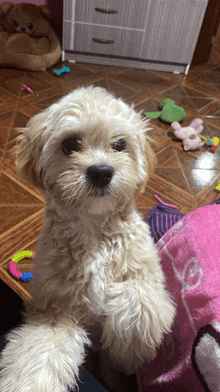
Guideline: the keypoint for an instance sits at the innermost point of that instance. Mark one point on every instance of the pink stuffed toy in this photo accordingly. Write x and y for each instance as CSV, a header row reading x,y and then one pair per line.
x,y
189,135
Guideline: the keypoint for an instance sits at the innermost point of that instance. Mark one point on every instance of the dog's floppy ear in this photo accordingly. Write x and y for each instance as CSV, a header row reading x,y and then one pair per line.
x,y
30,145
151,162
27,155
150,158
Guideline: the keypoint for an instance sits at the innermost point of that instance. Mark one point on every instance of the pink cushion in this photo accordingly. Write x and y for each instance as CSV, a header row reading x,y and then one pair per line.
x,y
190,255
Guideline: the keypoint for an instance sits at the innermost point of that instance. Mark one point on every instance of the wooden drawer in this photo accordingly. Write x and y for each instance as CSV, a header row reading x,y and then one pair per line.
x,y
102,40
123,13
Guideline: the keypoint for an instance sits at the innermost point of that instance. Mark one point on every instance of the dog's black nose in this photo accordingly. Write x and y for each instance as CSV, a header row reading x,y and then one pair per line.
x,y
100,175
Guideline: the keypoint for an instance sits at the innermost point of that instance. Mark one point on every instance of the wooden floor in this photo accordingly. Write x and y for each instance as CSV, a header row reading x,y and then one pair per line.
x,y
187,179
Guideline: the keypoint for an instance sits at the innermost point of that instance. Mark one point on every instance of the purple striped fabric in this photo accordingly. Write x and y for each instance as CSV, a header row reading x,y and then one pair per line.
x,y
161,218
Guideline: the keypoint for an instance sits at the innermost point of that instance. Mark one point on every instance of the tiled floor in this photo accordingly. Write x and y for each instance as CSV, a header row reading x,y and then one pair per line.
x,y
187,179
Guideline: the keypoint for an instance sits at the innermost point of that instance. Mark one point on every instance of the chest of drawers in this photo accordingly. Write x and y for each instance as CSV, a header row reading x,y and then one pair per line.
x,y
148,34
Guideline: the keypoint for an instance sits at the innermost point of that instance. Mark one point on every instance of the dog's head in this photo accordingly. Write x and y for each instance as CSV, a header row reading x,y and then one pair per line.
x,y
87,151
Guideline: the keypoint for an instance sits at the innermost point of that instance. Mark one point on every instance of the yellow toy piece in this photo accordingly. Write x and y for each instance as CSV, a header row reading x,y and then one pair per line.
x,y
217,188
215,141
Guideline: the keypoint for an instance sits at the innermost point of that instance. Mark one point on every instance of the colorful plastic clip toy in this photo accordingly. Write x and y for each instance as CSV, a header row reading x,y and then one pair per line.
x,y
13,267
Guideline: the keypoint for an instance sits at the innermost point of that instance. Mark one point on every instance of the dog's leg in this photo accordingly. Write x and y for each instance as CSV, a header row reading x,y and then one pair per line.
x,y
139,310
138,315
42,358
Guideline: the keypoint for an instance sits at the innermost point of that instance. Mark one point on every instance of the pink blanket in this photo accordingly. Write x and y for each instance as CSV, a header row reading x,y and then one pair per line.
x,y
190,254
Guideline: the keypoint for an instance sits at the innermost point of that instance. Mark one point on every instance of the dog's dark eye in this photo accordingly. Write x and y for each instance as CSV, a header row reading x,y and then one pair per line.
x,y
30,26
16,23
71,144
119,145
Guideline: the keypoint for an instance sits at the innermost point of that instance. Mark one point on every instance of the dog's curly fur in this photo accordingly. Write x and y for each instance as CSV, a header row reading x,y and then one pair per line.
x,y
95,259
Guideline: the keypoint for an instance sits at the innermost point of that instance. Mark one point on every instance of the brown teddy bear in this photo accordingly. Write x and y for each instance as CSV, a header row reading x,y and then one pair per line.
x,y
25,29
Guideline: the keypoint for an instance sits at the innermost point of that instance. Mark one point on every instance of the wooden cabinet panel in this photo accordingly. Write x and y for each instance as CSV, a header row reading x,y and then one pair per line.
x,y
103,40
143,32
172,29
123,13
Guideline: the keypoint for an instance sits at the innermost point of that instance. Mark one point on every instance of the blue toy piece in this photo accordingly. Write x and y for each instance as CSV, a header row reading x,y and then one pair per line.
x,y
12,265
209,141
59,72
26,277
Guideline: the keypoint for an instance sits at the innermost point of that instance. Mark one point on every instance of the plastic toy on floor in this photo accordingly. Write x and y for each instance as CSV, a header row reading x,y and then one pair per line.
x,y
168,112
217,188
189,135
24,87
214,142
59,72
15,273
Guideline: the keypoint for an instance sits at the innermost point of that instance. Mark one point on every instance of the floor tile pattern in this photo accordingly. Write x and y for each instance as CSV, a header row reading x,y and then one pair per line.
x,y
187,179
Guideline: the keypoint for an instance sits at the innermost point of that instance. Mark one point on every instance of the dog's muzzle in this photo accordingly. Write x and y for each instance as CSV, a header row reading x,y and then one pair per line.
x,y
100,175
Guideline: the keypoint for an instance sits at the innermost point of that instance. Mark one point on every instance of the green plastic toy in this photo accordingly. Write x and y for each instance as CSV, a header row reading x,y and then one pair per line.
x,y
168,112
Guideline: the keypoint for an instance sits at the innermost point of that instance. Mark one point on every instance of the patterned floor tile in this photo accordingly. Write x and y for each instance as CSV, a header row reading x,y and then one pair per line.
x,y
22,234
200,159
171,193
199,179
139,80
11,215
12,193
120,91
103,69
208,89
6,119
8,169
4,137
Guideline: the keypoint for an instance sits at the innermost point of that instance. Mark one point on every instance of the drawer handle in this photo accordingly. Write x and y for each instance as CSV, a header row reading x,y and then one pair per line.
x,y
102,41
106,11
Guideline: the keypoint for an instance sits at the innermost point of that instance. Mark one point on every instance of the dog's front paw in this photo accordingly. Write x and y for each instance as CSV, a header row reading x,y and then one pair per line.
x,y
42,358
136,322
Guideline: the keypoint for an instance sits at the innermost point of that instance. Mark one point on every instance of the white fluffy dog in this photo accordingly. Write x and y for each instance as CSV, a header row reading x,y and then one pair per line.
x,y
95,260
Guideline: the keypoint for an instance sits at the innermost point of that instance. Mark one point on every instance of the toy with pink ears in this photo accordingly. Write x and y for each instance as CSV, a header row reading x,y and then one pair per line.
x,y
191,135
